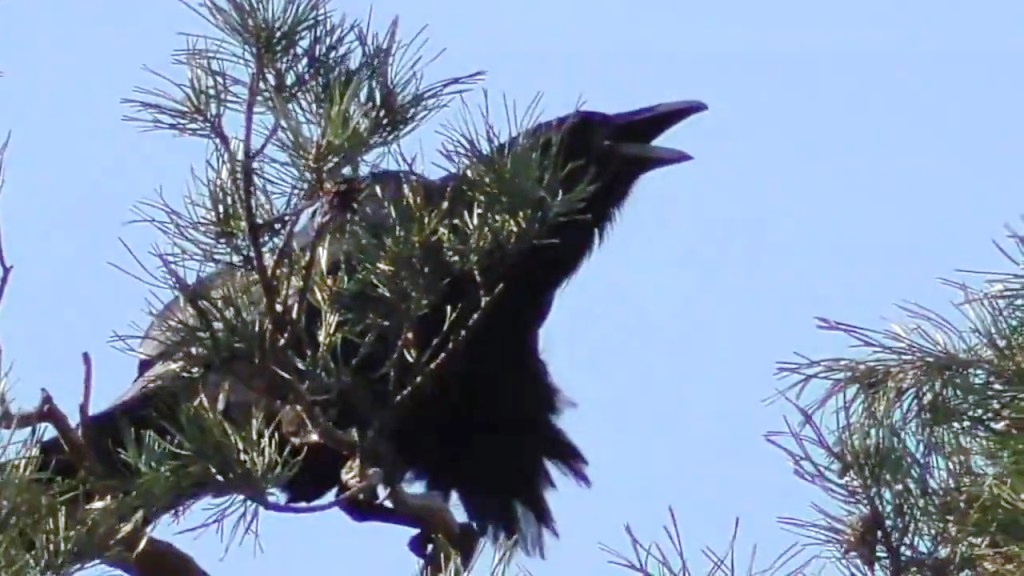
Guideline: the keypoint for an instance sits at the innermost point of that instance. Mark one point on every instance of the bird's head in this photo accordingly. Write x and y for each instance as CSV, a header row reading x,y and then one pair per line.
x,y
610,152
598,157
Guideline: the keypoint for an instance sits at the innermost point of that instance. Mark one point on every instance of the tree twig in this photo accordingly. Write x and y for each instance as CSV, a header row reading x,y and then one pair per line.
x,y
5,268
47,412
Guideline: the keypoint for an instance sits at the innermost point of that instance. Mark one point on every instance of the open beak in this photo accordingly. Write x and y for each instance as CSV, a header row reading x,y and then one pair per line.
x,y
635,131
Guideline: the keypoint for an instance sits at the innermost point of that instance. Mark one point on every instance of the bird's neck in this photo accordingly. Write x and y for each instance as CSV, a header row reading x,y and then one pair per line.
x,y
533,277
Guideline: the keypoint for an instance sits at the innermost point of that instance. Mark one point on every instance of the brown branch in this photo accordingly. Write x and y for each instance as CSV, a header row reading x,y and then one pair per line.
x,y
5,268
47,412
248,189
83,406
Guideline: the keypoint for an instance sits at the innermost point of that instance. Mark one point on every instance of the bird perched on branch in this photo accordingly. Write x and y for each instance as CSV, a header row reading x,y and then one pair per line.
x,y
485,426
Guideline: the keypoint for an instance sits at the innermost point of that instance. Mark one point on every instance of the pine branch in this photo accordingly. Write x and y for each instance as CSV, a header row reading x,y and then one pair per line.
x,y
914,438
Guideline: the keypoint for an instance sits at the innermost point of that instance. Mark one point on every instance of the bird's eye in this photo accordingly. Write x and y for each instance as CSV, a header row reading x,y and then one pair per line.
x,y
587,135
601,135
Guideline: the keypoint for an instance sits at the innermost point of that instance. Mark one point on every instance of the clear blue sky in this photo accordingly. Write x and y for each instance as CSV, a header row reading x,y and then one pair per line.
x,y
853,153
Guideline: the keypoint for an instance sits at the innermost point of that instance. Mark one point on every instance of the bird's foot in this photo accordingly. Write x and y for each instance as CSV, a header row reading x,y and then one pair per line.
x,y
427,512
425,546
361,482
439,531
438,526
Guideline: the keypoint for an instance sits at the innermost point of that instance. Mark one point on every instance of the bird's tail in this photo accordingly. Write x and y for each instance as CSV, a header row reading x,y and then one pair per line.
x,y
508,496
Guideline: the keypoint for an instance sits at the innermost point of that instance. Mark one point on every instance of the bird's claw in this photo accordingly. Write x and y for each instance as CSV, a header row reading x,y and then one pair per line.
x,y
383,492
419,545
467,540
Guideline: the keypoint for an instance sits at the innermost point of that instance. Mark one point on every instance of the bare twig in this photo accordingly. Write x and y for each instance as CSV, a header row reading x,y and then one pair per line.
x,y
47,412
5,268
83,407
248,188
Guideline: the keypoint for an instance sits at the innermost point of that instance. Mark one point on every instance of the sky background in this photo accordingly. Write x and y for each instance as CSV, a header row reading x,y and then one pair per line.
x,y
853,152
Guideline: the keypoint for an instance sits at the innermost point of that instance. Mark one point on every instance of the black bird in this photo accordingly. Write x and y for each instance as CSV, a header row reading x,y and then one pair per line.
x,y
485,428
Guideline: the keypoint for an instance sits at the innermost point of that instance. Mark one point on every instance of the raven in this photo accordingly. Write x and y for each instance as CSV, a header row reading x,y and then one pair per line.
x,y
484,427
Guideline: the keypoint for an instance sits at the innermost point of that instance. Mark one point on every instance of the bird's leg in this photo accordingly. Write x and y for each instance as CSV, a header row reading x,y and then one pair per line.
x,y
427,512
432,517
417,506
362,510
354,497
429,508
435,519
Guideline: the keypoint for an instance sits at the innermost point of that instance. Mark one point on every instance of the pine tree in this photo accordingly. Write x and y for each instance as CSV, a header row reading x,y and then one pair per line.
x,y
912,438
